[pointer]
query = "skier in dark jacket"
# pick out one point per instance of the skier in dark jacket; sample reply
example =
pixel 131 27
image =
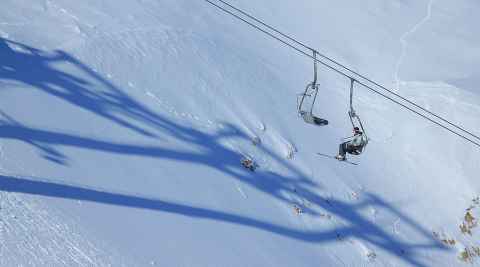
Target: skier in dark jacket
pixel 353 146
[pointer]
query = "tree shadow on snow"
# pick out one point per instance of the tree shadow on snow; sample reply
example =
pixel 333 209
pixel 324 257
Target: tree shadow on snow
pixel 356 226
pixel 36 68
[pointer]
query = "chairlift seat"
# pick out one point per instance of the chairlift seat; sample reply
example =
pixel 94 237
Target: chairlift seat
pixel 356 152
pixel 310 118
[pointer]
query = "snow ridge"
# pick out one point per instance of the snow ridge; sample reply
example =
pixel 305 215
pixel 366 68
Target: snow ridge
pixel 404 42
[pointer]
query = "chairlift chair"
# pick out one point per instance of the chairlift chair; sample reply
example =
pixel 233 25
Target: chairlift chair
pixel 355 119
pixel 305 109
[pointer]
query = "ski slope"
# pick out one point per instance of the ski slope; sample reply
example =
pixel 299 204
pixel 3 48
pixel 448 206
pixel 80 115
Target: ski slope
pixel 123 124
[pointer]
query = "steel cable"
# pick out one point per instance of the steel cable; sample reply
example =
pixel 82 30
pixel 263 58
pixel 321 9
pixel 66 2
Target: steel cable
pixel 348 69
pixel 477 143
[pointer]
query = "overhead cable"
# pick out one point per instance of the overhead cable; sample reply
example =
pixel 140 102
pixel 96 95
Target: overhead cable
pixel 358 76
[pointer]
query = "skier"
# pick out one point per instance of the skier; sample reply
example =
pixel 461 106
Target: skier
pixel 353 146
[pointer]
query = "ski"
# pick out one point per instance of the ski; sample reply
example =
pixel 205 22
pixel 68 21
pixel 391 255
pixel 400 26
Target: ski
pixel 332 157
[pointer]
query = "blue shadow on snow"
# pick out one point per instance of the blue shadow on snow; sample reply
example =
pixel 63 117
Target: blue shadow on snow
pixel 95 94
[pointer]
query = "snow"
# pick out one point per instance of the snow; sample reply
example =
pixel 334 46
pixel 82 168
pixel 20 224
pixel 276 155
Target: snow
pixel 123 126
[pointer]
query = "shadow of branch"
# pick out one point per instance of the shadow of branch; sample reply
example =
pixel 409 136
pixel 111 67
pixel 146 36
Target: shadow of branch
pixel 97 95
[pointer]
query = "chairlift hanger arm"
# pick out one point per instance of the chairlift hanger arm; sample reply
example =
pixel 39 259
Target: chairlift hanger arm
pixel 351 113
pixel 352 84
pixel 315 67
pixel 314 84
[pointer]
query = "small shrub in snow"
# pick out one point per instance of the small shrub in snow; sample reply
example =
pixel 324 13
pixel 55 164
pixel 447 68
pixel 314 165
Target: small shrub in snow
pixel 468 224
pixel 450 242
pixel 465 255
pixel 297 209
pixel 248 164
pixel 464 229
pixel 445 240
pixel 469 254
pixel 291 150
pixel 470 220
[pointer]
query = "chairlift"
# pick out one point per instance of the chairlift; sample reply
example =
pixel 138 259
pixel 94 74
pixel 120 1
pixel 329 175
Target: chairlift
pixel 306 101
pixel 355 119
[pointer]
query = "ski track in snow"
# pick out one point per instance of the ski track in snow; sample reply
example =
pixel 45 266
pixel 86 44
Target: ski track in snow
pixel 404 42
pixel 19 24
pixel 206 123
pixel 240 190
pixel 32 236
pixel 60 9
pixel 78 25
pixel 67 13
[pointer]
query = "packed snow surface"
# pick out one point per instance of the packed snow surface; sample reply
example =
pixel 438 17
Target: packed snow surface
pixel 123 125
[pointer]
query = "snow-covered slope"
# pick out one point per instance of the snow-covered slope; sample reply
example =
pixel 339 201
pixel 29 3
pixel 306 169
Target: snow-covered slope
pixel 123 124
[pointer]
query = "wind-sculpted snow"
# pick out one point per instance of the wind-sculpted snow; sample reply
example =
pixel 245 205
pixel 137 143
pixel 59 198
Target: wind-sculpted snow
pixel 32 236
pixel 350 225
pixel 123 127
